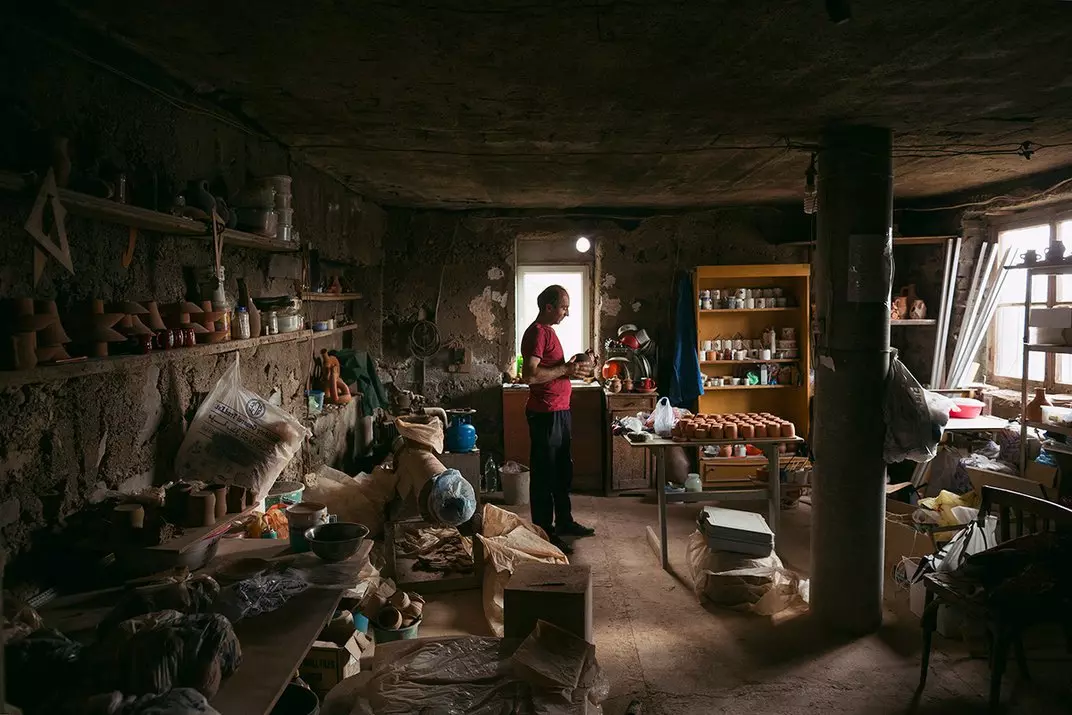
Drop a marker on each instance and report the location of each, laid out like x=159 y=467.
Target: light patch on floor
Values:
x=657 y=643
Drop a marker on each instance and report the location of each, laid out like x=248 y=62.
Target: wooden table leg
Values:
x=774 y=488
x=660 y=495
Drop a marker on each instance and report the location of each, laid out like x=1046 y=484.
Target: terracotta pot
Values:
x=1033 y=410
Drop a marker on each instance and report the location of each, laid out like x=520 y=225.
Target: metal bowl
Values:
x=336 y=542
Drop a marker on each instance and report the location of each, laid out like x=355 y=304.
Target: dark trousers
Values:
x=551 y=468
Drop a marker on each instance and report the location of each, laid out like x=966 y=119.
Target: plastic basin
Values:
x=385 y=635
x=969 y=408
x=336 y=542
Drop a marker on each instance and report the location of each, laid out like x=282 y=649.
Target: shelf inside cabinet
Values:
x=730 y=311
x=749 y=387
x=757 y=361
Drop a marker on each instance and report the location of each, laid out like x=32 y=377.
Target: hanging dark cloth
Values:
x=686 y=379
x=358 y=369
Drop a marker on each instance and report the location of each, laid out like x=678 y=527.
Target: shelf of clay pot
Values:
x=749 y=387
x=94 y=207
x=192 y=535
x=334 y=331
x=757 y=361
x=724 y=311
x=912 y=321
x=96 y=366
x=328 y=297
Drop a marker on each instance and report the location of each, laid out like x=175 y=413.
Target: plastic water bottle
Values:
x=491 y=475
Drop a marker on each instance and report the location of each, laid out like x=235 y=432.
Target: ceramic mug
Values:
x=754 y=353
x=788 y=333
x=768 y=292
x=776 y=292
x=761 y=302
x=766 y=354
x=740 y=293
x=749 y=303
x=780 y=302
x=1055 y=252
x=1030 y=257
x=647 y=384
x=716 y=295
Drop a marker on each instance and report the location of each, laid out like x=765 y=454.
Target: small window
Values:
x=1007 y=327
x=574 y=332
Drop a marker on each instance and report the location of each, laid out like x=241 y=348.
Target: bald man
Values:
x=548 y=374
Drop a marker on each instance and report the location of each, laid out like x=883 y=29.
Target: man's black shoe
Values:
x=574 y=529
x=562 y=545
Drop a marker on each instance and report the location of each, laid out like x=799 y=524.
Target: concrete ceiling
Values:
x=643 y=103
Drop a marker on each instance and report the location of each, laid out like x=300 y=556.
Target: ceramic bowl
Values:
x=336 y=542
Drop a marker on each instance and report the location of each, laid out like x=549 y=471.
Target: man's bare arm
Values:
x=533 y=373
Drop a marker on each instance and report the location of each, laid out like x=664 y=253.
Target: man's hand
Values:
x=579 y=370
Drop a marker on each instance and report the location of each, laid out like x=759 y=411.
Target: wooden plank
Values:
x=191 y=536
x=317 y=334
x=751 y=387
x=920 y=240
x=96 y=366
x=1050 y=427
x=328 y=297
x=772 y=270
x=661 y=443
x=244 y=239
x=757 y=361
x=273 y=646
x=983 y=423
x=913 y=321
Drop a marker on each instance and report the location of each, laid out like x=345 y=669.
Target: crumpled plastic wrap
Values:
x=740 y=582
x=448 y=499
x=180 y=701
x=260 y=593
x=167 y=649
x=34 y=665
x=914 y=417
x=508 y=539
x=472 y=675
x=196 y=594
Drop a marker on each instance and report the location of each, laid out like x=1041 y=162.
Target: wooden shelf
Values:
x=1055 y=446
x=1050 y=428
x=921 y=240
x=1044 y=269
x=731 y=311
x=96 y=366
x=750 y=387
x=273 y=647
x=1049 y=348
x=910 y=322
x=757 y=361
x=94 y=207
x=191 y=536
x=317 y=334
x=329 y=297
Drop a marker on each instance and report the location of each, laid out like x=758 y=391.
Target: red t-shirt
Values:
x=542 y=342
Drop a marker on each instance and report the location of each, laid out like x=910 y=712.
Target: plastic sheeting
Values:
x=762 y=586
x=180 y=701
x=508 y=539
x=450 y=500
x=471 y=675
x=914 y=417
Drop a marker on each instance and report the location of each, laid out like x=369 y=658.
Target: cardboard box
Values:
x=560 y=594
x=327 y=664
x=1042 y=473
x=902 y=539
x=982 y=477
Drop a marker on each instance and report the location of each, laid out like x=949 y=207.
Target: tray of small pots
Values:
x=737 y=426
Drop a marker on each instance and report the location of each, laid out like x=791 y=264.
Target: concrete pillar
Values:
x=853 y=266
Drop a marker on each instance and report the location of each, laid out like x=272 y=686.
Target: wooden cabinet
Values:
x=626 y=467
x=586 y=406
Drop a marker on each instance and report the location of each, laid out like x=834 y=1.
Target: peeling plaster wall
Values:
x=635 y=265
x=123 y=428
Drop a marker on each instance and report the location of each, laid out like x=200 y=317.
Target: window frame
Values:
x=1052 y=217
x=525 y=314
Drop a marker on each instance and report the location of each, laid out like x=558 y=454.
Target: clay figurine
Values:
x=335 y=390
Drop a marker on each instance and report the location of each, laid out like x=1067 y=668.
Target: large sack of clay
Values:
x=362 y=499
x=740 y=582
x=237 y=437
x=508 y=540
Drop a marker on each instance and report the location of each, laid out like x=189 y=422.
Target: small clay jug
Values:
x=1033 y=411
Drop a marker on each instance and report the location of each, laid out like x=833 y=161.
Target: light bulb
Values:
x=583 y=244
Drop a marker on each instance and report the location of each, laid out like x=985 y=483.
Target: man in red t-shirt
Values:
x=548 y=374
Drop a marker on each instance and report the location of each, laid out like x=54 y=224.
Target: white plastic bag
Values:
x=914 y=417
x=238 y=437
x=663 y=417
x=970 y=540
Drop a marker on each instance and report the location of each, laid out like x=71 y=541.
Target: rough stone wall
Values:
x=474 y=254
x=123 y=428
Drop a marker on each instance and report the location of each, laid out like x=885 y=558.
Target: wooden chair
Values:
x=1005 y=624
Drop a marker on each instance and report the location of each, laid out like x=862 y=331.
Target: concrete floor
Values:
x=657 y=643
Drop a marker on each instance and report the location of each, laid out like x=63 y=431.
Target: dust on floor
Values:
x=658 y=644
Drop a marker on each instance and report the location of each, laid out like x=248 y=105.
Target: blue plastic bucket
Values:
x=385 y=635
